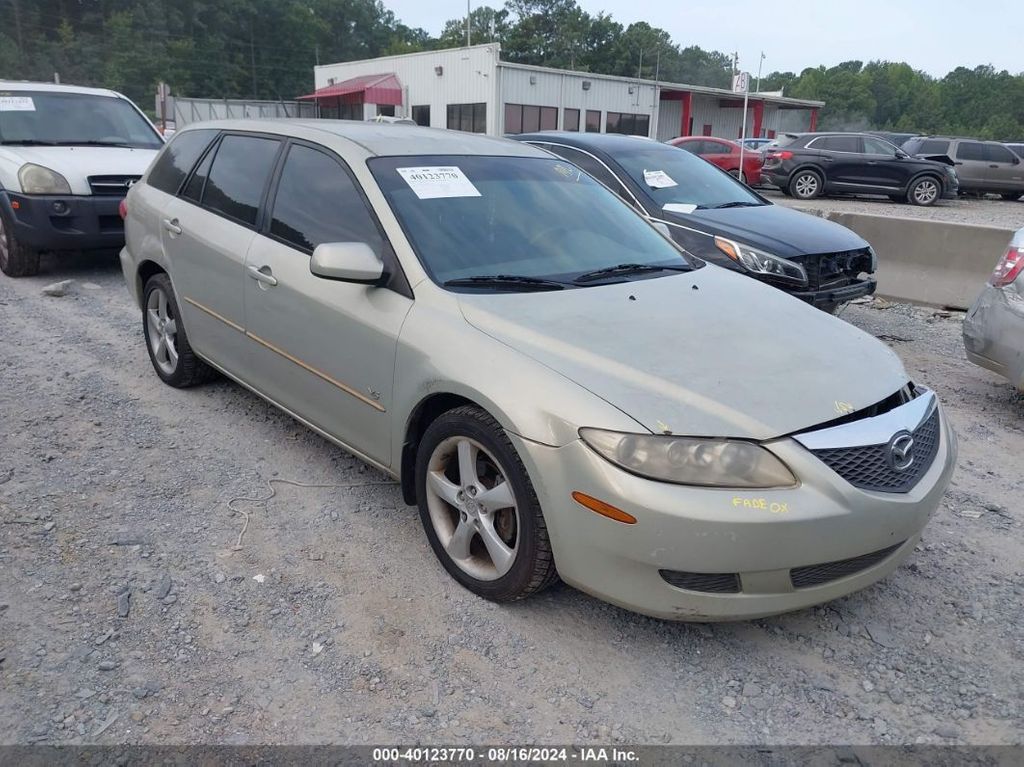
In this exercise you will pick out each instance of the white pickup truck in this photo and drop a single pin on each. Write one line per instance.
(68, 156)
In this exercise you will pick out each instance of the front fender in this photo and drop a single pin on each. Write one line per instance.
(439, 352)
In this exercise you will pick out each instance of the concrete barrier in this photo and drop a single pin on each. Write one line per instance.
(925, 261)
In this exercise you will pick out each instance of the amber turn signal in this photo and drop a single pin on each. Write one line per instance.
(602, 508)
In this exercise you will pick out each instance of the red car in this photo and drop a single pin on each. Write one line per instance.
(725, 154)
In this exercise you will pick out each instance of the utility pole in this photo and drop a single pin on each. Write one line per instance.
(252, 59)
(757, 84)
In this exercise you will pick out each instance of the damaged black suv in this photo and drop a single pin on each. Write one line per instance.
(721, 220)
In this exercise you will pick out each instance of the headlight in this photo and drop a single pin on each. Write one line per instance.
(759, 262)
(35, 179)
(688, 461)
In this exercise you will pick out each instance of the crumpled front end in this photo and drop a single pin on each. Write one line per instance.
(994, 332)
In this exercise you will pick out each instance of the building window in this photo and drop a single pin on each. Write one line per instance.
(593, 121)
(524, 118)
(571, 119)
(629, 124)
(421, 115)
(471, 118)
(388, 110)
(350, 111)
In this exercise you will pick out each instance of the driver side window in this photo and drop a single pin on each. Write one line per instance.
(317, 202)
(879, 147)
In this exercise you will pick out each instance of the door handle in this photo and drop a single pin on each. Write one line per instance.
(872, 162)
(993, 166)
(171, 225)
(263, 274)
(827, 159)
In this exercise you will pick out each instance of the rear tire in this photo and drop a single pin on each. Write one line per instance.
(16, 259)
(493, 543)
(924, 191)
(166, 340)
(1012, 196)
(806, 184)
(785, 191)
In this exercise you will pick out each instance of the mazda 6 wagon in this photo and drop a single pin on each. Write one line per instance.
(560, 389)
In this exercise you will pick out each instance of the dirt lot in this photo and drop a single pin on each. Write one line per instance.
(989, 211)
(127, 615)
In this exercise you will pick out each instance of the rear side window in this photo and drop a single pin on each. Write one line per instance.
(317, 202)
(239, 175)
(998, 153)
(971, 150)
(837, 144)
(178, 158)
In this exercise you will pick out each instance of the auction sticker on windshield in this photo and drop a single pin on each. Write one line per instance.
(17, 104)
(658, 179)
(430, 183)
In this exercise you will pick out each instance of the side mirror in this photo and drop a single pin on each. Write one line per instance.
(347, 262)
(1016, 161)
(901, 155)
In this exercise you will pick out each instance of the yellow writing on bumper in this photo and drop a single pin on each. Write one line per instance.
(760, 503)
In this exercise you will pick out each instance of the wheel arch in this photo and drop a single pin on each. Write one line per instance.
(922, 174)
(426, 411)
(143, 273)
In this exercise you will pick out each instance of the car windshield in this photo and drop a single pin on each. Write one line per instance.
(518, 220)
(70, 119)
(675, 177)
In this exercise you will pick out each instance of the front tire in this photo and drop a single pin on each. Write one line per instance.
(479, 509)
(924, 192)
(806, 185)
(16, 259)
(166, 340)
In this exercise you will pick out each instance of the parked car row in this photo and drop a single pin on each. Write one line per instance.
(672, 432)
(981, 166)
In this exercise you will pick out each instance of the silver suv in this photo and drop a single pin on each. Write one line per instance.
(981, 166)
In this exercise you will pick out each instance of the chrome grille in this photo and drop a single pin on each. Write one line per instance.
(868, 466)
(111, 186)
(826, 572)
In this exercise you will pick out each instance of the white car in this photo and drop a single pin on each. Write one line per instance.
(68, 156)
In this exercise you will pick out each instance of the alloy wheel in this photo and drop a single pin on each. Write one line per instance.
(806, 185)
(926, 192)
(473, 508)
(163, 331)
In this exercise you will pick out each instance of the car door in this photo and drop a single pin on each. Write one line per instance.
(842, 159)
(972, 165)
(720, 154)
(206, 233)
(882, 167)
(323, 349)
(1005, 172)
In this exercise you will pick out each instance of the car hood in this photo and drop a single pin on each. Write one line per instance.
(774, 228)
(77, 163)
(706, 353)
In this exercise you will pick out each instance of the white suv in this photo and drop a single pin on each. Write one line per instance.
(68, 156)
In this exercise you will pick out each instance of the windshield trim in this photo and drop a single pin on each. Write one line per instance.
(159, 139)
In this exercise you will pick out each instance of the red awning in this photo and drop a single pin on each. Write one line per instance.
(376, 89)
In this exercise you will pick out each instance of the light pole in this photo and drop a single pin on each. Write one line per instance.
(757, 84)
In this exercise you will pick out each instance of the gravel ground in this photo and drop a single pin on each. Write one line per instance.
(128, 615)
(988, 211)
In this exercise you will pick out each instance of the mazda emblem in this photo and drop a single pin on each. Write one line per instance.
(901, 451)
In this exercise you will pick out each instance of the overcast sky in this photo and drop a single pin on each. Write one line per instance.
(933, 35)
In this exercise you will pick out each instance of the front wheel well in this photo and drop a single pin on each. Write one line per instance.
(424, 414)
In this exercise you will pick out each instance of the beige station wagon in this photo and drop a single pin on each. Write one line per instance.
(560, 389)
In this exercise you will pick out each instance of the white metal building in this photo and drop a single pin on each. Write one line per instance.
(472, 89)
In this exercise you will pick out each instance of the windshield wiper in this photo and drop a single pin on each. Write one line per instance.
(515, 281)
(737, 204)
(624, 269)
(93, 143)
(27, 142)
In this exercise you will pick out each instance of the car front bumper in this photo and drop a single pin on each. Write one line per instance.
(832, 296)
(994, 332)
(756, 535)
(65, 222)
